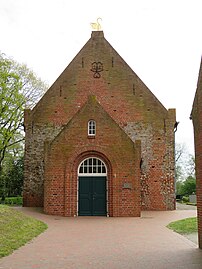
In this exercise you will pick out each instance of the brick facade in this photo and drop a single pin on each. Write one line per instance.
(196, 116)
(134, 137)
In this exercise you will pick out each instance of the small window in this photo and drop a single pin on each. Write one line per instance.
(91, 127)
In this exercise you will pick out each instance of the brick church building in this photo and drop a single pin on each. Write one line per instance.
(99, 143)
(196, 116)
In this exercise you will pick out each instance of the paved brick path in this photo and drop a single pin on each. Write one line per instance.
(107, 243)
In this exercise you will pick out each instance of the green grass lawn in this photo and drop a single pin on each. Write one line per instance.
(184, 226)
(16, 229)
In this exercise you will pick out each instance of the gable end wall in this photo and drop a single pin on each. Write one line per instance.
(128, 102)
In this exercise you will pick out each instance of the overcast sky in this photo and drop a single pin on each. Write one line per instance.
(161, 40)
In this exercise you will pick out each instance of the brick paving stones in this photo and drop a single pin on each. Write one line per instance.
(112, 243)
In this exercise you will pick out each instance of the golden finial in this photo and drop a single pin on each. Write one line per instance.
(96, 25)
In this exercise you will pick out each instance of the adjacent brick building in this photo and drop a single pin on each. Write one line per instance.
(99, 142)
(196, 116)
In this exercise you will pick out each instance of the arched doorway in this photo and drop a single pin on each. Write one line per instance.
(92, 187)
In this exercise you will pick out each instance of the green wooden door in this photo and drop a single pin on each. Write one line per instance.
(92, 196)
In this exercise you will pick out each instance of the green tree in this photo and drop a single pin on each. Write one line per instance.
(184, 163)
(179, 190)
(12, 176)
(189, 186)
(191, 166)
(19, 88)
(184, 171)
(180, 152)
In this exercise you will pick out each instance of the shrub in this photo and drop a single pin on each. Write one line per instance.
(13, 200)
(185, 199)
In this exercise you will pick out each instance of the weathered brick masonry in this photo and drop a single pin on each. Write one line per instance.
(134, 137)
(196, 116)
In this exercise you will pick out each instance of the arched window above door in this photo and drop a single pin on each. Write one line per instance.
(92, 166)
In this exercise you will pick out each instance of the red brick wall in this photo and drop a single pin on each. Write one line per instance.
(197, 123)
(111, 144)
(129, 103)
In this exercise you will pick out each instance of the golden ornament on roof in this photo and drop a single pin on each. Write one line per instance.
(96, 25)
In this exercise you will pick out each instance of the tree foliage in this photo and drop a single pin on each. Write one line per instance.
(184, 171)
(186, 187)
(12, 175)
(189, 186)
(184, 163)
(19, 88)
(179, 152)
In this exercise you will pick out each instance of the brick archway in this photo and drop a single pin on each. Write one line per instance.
(71, 182)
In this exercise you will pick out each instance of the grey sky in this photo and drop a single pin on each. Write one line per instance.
(161, 40)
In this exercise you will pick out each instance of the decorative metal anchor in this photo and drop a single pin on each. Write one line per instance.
(97, 67)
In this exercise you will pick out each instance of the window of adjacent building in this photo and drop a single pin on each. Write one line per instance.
(91, 127)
